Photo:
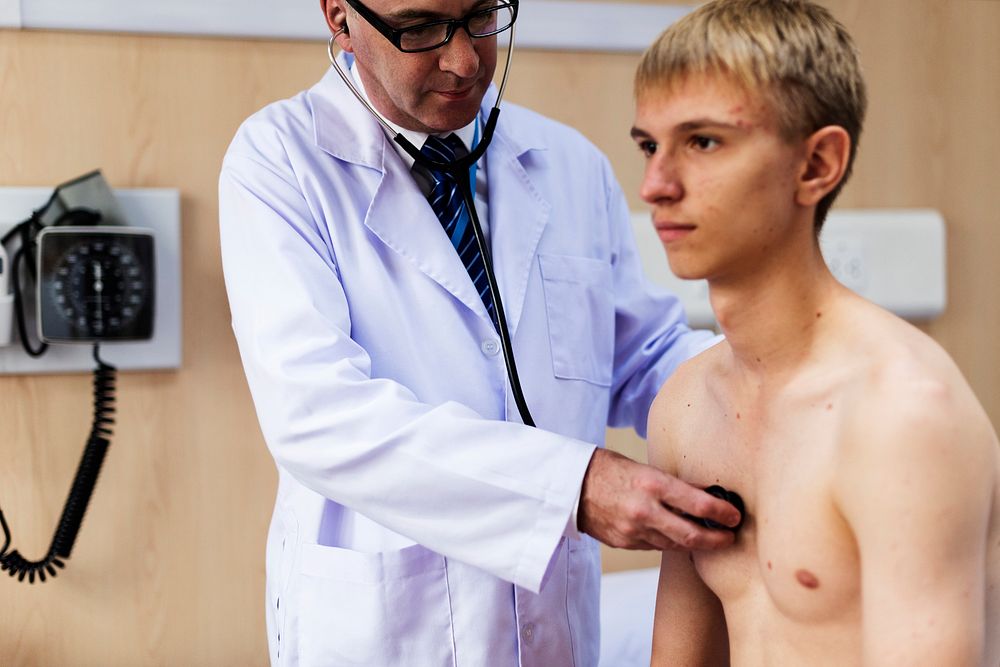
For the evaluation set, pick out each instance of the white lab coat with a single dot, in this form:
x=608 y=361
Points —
x=415 y=522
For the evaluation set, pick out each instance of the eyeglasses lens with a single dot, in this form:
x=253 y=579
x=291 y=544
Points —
x=480 y=24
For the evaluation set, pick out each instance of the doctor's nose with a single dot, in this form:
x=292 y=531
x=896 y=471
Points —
x=459 y=56
x=661 y=184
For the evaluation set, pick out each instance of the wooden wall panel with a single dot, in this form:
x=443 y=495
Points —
x=168 y=568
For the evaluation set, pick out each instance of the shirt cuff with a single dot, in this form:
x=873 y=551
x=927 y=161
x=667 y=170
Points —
x=572 y=531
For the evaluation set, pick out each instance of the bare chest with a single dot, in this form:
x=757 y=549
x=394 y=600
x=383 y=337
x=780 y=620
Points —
x=795 y=558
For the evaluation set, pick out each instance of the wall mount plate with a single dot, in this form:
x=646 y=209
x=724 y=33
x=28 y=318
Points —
x=157 y=210
x=892 y=257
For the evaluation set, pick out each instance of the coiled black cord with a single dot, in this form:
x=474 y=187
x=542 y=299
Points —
x=83 y=486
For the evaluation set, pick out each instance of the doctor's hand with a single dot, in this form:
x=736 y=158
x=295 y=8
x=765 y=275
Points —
x=634 y=506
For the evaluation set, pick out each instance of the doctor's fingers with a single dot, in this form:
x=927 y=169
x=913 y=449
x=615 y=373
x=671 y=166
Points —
x=686 y=499
x=640 y=521
x=668 y=531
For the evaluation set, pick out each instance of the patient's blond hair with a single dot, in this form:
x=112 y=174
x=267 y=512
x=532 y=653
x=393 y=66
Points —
x=792 y=51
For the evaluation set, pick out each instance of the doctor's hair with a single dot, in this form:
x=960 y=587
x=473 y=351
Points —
x=792 y=52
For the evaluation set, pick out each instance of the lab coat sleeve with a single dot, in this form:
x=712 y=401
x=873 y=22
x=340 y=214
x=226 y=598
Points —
x=367 y=443
x=652 y=336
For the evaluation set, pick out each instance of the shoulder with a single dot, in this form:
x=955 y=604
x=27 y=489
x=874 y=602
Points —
x=536 y=133
x=909 y=383
x=266 y=160
x=913 y=426
x=541 y=130
x=689 y=378
x=678 y=402
x=273 y=125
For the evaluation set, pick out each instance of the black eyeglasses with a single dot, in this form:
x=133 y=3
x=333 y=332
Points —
x=482 y=22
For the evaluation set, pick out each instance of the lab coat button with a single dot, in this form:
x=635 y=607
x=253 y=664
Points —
x=490 y=347
x=528 y=632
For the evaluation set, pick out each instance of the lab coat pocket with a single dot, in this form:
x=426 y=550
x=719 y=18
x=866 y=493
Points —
x=579 y=304
x=388 y=608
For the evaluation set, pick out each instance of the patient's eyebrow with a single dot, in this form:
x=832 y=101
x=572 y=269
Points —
x=706 y=123
x=693 y=125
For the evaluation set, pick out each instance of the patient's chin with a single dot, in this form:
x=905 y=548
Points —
x=686 y=271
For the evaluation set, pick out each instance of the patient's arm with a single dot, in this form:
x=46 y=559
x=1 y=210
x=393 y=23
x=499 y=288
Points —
x=916 y=489
x=689 y=627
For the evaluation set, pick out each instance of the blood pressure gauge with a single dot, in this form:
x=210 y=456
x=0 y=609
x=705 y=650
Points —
x=95 y=283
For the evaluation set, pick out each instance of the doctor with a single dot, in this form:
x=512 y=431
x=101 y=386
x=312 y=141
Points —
x=417 y=521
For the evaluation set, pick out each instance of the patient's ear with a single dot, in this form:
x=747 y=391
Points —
x=827 y=153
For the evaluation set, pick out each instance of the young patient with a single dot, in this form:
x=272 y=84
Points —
x=870 y=473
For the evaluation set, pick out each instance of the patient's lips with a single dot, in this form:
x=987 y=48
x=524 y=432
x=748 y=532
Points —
x=670 y=231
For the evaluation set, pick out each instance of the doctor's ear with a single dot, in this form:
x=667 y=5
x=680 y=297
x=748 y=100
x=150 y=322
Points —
x=336 y=21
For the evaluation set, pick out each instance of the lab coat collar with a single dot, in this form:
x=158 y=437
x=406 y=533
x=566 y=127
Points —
x=343 y=127
x=346 y=130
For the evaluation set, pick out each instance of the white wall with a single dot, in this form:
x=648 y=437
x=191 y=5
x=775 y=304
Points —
x=542 y=24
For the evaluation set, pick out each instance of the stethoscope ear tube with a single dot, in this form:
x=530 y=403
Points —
x=465 y=186
x=407 y=146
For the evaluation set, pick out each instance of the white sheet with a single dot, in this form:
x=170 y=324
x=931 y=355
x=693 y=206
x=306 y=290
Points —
x=627 y=602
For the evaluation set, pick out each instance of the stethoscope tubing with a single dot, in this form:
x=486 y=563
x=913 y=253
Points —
x=459 y=170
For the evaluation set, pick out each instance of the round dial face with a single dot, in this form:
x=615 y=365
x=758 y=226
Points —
x=98 y=285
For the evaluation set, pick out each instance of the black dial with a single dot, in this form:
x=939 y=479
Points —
x=95 y=285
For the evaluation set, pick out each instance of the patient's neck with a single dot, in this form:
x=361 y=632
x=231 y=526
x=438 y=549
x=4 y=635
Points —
x=775 y=315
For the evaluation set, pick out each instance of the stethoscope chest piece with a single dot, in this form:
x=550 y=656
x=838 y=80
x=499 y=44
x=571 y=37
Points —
x=730 y=497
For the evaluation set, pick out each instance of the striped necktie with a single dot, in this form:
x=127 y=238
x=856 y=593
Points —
x=451 y=210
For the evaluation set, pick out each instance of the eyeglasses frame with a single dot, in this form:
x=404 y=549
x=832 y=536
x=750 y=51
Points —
x=395 y=35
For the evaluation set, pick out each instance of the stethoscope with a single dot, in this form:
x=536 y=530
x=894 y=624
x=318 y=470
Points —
x=459 y=170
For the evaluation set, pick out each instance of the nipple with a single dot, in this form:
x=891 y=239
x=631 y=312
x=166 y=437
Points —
x=807 y=578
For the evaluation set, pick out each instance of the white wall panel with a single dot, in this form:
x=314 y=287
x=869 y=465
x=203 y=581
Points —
x=543 y=24
x=10 y=13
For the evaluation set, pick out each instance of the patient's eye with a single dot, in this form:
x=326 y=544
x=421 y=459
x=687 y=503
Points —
x=646 y=147
x=703 y=143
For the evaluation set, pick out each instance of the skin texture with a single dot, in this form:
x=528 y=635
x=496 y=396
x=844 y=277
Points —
x=623 y=503
x=868 y=468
